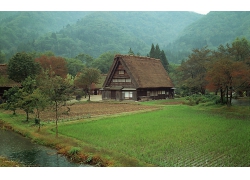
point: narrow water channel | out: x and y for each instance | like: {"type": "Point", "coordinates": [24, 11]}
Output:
{"type": "Point", "coordinates": [20, 149]}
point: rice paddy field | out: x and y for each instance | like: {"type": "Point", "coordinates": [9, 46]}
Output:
{"type": "Point", "coordinates": [174, 136]}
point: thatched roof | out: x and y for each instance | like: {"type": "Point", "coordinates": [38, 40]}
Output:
{"type": "Point", "coordinates": [146, 72]}
{"type": "Point", "coordinates": [4, 80]}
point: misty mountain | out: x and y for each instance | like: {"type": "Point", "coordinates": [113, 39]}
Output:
{"type": "Point", "coordinates": [212, 30]}
{"type": "Point", "coordinates": [70, 33]}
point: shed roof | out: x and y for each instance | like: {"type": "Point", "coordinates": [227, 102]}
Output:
{"type": "Point", "coordinates": [146, 72]}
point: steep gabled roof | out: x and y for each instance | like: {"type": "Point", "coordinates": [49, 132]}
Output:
{"type": "Point", "coordinates": [4, 80]}
{"type": "Point", "coordinates": [146, 72]}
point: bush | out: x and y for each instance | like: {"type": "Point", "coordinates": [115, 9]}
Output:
{"type": "Point", "coordinates": [74, 150]}
{"type": "Point", "coordinates": [196, 99]}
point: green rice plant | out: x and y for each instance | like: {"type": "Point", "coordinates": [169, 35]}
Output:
{"type": "Point", "coordinates": [169, 137]}
{"type": "Point", "coordinates": [74, 150]}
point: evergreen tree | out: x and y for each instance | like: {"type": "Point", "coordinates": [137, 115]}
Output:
{"type": "Point", "coordinates": [164, 60]}
{"type": "Point", "coordinates": [157, 53]}
{"type": "Point", "coordinates": [130, 52]}
{"type": "Point", "coordinates": [152, 51]}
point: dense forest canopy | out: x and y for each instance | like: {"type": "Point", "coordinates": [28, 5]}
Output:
{"type": "Point", "coordinates": [69, 34]}
{"type": "Point", "coordinates": [212, 30]}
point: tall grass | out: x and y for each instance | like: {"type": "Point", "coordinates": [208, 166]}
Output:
{"type": "Point", "coordinates": [175, 136]}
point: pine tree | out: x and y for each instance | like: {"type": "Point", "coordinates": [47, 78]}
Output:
{"type": "Point", "coordinates": [164, 60]}
{"type": "Point", "coordinates": [152, 51]}
{"type": "Point", "coordinates": [131, 52]}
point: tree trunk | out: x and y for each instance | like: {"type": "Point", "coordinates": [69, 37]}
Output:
{"type": "Point", "coordinates": [27, 116]}
{"type": "Point", "coordinates": [56, 119]}
{"type": "Point", "coordinates": [227, 96]}
{"type": "Point", "coordinates": [89, 93]}
{"type": "Point", "coordinates": [221, 96]}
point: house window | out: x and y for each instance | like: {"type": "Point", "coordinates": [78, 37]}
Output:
{"type": "Point", "coordinates": [121, 71]}
{"type": "Point", "coordinates": [153, 93]}
{"type": "Point", "coordinates": [128, 80]}
{"type": "Point", "coordinates": [121, 80]}
{"type": "Point", "coordinates": [128, 95]}
{"type": "Point", "coordinates": [162, 92]}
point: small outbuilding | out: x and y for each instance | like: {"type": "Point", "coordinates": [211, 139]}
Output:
{"type": "Point", "coordinates": [137, 78]}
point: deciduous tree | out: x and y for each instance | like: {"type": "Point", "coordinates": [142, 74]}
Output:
{"type": "Point", "coordinates": [55, 65]}
{"type": "Point", "coordinates": [57, 89]}
{"type": "Point", "coordinates": [22, 65]}
{"type": "Point", "coordinates": [88, 77]}
{"type": "Point", "coordinates": [193, 71]}
{"type": "Point", "coordinates": [12, 97]}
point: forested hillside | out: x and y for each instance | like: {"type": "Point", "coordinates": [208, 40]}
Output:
{"type": "Point", "coordinates": [212, 30]}
{"type": "Point", "coordinates": [18, 28]}
{"type": "Point", "coordinates": [71, 33]}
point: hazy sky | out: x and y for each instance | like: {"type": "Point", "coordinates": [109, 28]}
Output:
{"type": "Point", "coordinates": [200, 6]}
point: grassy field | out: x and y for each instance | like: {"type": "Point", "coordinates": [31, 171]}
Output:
{"type": "Point", "coordinates": [174, 135]}
{"type": "Point", "coordinates": [177, 135]}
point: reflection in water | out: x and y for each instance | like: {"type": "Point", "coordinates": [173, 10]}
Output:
{"type": "Point", "coordinates": [18, 148]}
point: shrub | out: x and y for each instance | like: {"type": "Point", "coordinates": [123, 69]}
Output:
{"type": "Point", "coordinates": [74, 150]}
{"type": "Point", "coordinates": [196, 99]}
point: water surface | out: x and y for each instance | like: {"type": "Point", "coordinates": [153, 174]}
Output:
{"type": "Point", "coordinates": [18, 148]}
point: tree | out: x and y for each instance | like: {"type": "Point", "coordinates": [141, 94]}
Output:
{"type": "Point", "coordinates": [12, 96]}
{"type": "Point", "coordinates": [152, 51]}
{"type": "Point", "coordinates": [26, 101]}
{"type": "Point", "coordinates": [240, 49]}
{"type": "Point", "coordinates": [164, 60]}
{"type": "Point", "coordinates": [104, 61]}
{"type": "Point", "coordinates": [57, 89]}
{"type": "Point", "coordinates": [74, 66]}
{"type": "Point", "coordinates": [130, 52]}
{"type": "Point", "coordinates": [86, 59]}
{"type": "Point", "coordinates": [157, 53]}
{"type": "Point", "coordinates": [22, 65]}
{"type": "Point", "coordinates": [41, 101]}
{"type": "Point", "coordinates": [88, 77]}
{"type": "Point", "coordinates": [226, 76]}
{"type": "Point", "coordinates": [193, 71]}
{"type": "Point", "coordinates": [55, 65]}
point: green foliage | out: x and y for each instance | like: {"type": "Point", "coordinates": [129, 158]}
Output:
{"type": "Point", "coordinates": [86, 59]}
{"type": "Point", "coordinates": [12, 96]}
{"type": "Point", "coordinates": [181, 136]}
{"type": "Point", "coordinates": [196, 99]}
{"type": "Point", "coordinates": [104, 61]}
{"type": "Point", "coordinates": [191, 73]}
{"type": "Point", "coordinates": [214, 29]}
{"type": "Point", "coordinates": [74, 66]}
{"type": "Point", "coordinates": [68, 34]}
{"type": "Point", "coordinates": [88, 77]}
{"type": "Point", "coordinates": [155, 52]}
{"type": "Point", "coordinates": [22, 65]}
{"type": "Point", "coordinates": [26, 100]}
{"type": "Point", "coordinates": [74, 150]}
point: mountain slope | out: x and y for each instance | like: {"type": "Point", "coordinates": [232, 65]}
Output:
{"type": "Point", "coordinates": [214, 29]}
{"type": "Point", "coordinates": [94, 33]}
{"type": "Point", "coordinates": [99, 32]}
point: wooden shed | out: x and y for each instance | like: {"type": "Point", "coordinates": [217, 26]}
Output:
{"type": "Point", "coordinates": [137, 78]}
